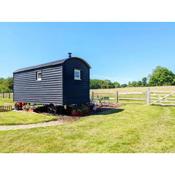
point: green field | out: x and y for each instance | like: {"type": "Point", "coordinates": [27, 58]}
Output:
{"type": "Point", "coordinates": [135, 94]}
{"type": "Point", "coordinates": [135, 89]}
{"type": "Point", "coordinates": [131, 129]}
{"type": "Point", "coordinates": [17, 118]}
{"type": "Point", "coordinates": [6, 101]}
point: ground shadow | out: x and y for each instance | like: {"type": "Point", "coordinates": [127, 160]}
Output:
{"type": "Point", "coordinates": [5, 111]}
{"type": "Point", "coordinates": [165, 106]}
{"type": "Point", "coordinates": [107, 111]}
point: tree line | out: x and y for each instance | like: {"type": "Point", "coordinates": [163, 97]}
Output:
{"type": "Point", "coordinates": [6, 84]}
{"type": "Point", "coordinates": [161, 76]}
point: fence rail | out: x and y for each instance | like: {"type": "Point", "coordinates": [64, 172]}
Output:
{"type": "Point", "coordinates": [148, 97]}
{"type": "Point", "coordinates": [116, 97]}
{"type": "Point", "coordinates": [6, 95]}
{"type": "Point", "coordinates": [5, 108]}
{"type": "Point", "coordinates": [163, 98]}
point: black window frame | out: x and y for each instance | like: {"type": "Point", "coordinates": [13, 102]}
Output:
{"type": "Point", "coordinates": [37, 75]}
{"type": "Point", "coordinates": [79, 71]}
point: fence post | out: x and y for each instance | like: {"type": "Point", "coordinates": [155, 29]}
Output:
{"type": "Point", "coordinates": [3, 95]}
{"type": "Point", "coordinates": [92, 97]}
{"type": "Point", "coordinates": [117, 96]}
{"type": "Point", "coordinates": [148, 99]}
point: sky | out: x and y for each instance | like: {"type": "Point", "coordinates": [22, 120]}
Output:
{"type": "Point", "coordinates": [117, 51]}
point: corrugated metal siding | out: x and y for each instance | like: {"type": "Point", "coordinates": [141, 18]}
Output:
{"type": "Point", "coordinates": [76, 91]}
{"type": "Point", "coordinates": [49, 90]}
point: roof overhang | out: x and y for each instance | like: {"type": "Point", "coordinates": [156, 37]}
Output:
{"type": "Point", "coordinates": [50, 64]}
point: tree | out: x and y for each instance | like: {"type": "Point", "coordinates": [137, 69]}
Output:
{"type": "Point", "coordinates": [139, 84]}
{"type": "Point", "coordinates": [101, 84]}
{"type": "Point", "coordinates": [10, 83]}
{"type": "Point", "coordinates": [144, 81]}
{"type": "Point", "coordinates": [133, 84]}
{"type": "Point", "coordinates": [161, 76]}
{"type": "Point", "coordinates": [116, 84]}
{"type": "Point", "coordinates": [95, 84]}
{"type": "Point", "coordinates": [130, 84]}
{"type": "Point", "coordinates": [173, 82]}
{"type": "Point", "coordinates": [6, 85]}
{"type": "Point", "coordinates": [123, 85]}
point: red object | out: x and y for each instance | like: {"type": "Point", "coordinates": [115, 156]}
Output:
{"type": "Point", "coordinates": [30, 110]}
{"type": "Point", "coordinates": [19, 105]}
{"type": "Point", "coordinates": [75, 113]}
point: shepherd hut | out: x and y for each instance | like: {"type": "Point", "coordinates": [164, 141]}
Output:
{"type": "Point", "coordinates": [62, 82]}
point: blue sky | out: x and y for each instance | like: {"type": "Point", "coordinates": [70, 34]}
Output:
{"type": "Point", "coordinates": [116, 51]}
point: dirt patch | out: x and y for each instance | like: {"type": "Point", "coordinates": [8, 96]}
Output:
{"type": "Point", "coordinates": [68, 119]}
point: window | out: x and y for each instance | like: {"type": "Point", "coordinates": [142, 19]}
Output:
{"type": "Point", "coordinates": [77, 74]}
{"type": "Point", "coordinates": [39, 76]}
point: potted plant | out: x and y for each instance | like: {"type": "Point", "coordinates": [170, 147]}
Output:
{"type": "Point", "coordinates": [26, 107]}
{"type": "Point", "coordinates": [75, 113]}
{"type": "Point", "coordinates": [31, 109]}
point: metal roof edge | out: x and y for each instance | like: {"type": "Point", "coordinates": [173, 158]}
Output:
{"type": "Point", "coordinates": [53, 63]}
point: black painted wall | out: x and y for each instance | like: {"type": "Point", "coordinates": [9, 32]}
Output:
{"type": "Point", "coordinates": [75, 91]}
{"type": "Point", "coordinates": [49, 90]}
{"type": "Point", "coordinates": [57, 86]}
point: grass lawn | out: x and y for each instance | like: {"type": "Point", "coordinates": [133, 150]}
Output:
{"type": "Point", "coordinates": [135, 89]}
{"type": "Point", "coordinates": [135, 129]}
{"type": "Point", "coordinates": [4, 101]}
{"type": "Point", "coordinates": [16, 118]}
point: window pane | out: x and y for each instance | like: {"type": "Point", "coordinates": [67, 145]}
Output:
{"type": "Point", "coordinates": [39, 76]}
{"type": "Point", "coordinates": [77, 74]}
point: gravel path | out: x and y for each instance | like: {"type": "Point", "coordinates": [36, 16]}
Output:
{"type": "Point", "coordinates": [37, 125]}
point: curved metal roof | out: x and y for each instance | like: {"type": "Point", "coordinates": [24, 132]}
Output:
{"type": "Point", "coordinates": [53, 63]}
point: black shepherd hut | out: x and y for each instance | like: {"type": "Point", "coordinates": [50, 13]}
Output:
{"type": "Point", "coordinates": [62, 82]}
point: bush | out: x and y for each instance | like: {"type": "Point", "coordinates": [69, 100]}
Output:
{"type": "Point", "coordinates": [26, 107]}
{"type": "Point", "coordinates": [79, 110]}
{"type": "Point", "coordinates": [162, 76]}
{"type": "Point", "coordinates": [73, 110]}
{"type": "Point", "coordinates": [20, 105]}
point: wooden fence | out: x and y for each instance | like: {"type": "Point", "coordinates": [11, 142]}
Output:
{"type": "Point", "coordinates": [5, 108]}
{"type": "Point", "coordinates": [164, 98]}
{"type": "Point", "coordinates": [6, 95]}
{"type": "Point", "coordinates": [119, 97]}
{"type": "Point", "coordinates": [149, 97]}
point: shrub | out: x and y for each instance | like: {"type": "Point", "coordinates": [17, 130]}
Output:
{"type": "Point", "coordinates": [26, 107]}
{"type": "Point", "coordinates": [79, 110]}
{"type": "Point", "coordinates": [19, 105]}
